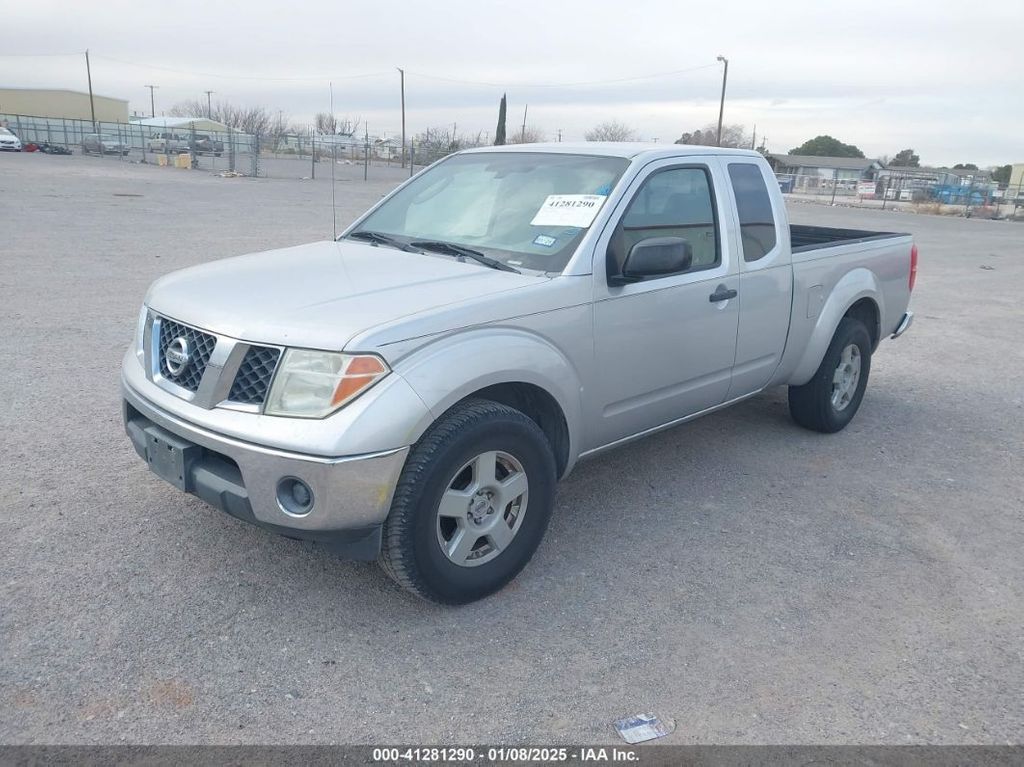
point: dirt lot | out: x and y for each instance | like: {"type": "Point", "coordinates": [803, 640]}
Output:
{"type": "Point", "coordinates": [756, 582]}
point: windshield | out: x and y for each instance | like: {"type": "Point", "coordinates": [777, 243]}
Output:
{"type": "Point", "coordinates": [5, 132]}
{"type": "Point", "coordinates": [525, 209]}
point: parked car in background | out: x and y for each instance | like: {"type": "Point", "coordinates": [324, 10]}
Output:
{"type": "Point", "coordinates": [103, 143]}
{"type": "Point", "coordinates": [205, 144]}
{"type": "Point", "coordinates": [413, 391]}
{"type": "Point", "coordinates": [8, 141]}
{"type": "Point", "coordinates": [171, 143]}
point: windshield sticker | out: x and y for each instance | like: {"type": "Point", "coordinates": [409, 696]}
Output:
{"type": "Point", "coordinates": [544, 241]}
{"type": "Point", "coordinates": [569, 210]}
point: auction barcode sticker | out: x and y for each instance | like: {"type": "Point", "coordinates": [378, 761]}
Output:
{"type": "Point", "coordinates": [569, 210]}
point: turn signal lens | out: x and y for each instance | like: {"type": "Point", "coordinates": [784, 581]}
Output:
{"type": "Point", "coordinates": [913, 266]}
{"type": "Point", "coordinates": [313, 384]}
{"type": "Point", "coordinates": [360, 373]}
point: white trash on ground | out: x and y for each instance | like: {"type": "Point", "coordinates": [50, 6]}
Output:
{"type": "Point", "coordinates": [641, 727]}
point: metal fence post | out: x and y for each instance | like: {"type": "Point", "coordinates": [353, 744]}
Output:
{"type": "Point", "coordinates": [256, 155]}
{"type": "Point", "coordinates": [412, 156]}
{"type": "Point", "coordinates": [231, 150]}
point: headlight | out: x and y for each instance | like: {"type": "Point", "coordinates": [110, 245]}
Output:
{"type": "Point", "coordinates": [312, 384]}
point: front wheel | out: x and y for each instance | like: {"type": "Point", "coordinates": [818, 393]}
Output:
{"type": "Point", "coordinates": [829, 401]}
{"type": "Point", "coordinates": [471, 505]}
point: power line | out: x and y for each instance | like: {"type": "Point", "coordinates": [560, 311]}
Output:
{"type": "Point", "coordinates": [365, 75]}
{"type": "Point", "coordinates": [564, 84]}
{"type": "Point", "coordinates": [37, 55]}
{"type": "Point", "coordinates": [322, 78]}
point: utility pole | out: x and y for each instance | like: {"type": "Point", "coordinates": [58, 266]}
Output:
{"type": "Point", "coordinates": [401, 74]}
{"type": "Point", "coordinates": [152, 100]}
{"type": "Point", "coordinates": [522, 137]}
{"type": "Point", "coordinates": [88, 72]}
{"type": "Point", "coordinates": [753, 140]}
{"type": "Point", "coordinates": [721, 105]}
{"type": "Point", "coordinates": [209, 107]}
{"type": "Point", "coordinates": [334, 164]}
{"type": "Point", "coordinates": [559, 135]}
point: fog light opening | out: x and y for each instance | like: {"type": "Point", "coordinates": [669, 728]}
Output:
{"type": "Point", "coordinates": [294, 497]}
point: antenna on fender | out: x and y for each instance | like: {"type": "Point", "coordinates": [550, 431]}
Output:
{"type": "Point", "coordinates": [334, 162]}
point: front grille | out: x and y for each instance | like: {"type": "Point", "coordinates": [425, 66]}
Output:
{"type": "Point", "coordinates": [200, 347]}
{"type": "Point", "coordinates": [254, 374]}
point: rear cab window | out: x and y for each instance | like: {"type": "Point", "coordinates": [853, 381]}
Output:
{"type": "Point", "coordinates": [754, 207]}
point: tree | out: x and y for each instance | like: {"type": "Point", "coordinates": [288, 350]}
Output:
{"type": "Point", "coordinates": [732, 136]}
{"type": "Point", "coordinates": [499, 132]}
{"type": "Point", "coordinates": [1001, 175]}
{"type": "Point", "coordinates": [326, 123]}
{"type": "Point", "coordinates": [251, 120]}
{"type": "Point", "coordinates": [435, 143]}
{"type": "Point", "coordinates": [826, 146]}
{"type": "Point", "coordinates": [905, 158]}
{"type": "Point", "coordinates": [329, 125]}
{"type": "Point", "coordinates": [965, 166]}
{"type": "Point", "coordinates": [531, 135]}
{"type": "Point", "coordinates": [612, 130]}
{"type": "Point", "coordinates": [278, 128]}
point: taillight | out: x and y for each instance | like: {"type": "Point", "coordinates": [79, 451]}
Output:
{"type": "Point", "coordinates": [913, 266]}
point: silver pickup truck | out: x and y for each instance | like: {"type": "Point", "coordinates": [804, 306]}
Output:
{"type": "Point", "coordinates": [413, 391]}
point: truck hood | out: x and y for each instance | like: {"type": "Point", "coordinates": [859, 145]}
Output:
{"type": "Point", "coordinates": [322, 294]}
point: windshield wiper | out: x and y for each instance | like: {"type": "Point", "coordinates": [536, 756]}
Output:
{"type": "Point", "coordinates": [463, 252]}
{"type": "Point", "coordinates": [377, 238]}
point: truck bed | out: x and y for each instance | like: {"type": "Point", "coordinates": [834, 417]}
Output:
{"type": "Point", "coordinates": [804, 238]}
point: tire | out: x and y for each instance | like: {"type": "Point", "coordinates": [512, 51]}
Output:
{"type": "Point", "coordinates": [830, 400]}
{"type": "Point", "coordinates": [452, 460]}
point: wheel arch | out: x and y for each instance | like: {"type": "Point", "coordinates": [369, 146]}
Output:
{"type": "Point", "coordinates": [510, 366]}
{"type": "Point", "coordinates": [858, 295]}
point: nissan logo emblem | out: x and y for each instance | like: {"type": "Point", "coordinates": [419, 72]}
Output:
{"type": "Point", "coordinates": [177, 356]}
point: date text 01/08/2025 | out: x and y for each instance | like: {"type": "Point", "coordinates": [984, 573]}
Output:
{"type": "Point", "coordinates": [526, 754]}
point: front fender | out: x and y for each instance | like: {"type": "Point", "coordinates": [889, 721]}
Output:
{"type": "Point", "coordinates": [854, 285]}
{"type": "Point", "coordinates": [453, 367]}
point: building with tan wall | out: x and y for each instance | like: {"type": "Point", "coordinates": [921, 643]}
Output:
{"type": "Point", "coordinates": [60, 103]}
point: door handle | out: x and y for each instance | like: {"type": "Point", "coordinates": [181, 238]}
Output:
{"type": "Point", "coordinates": [722, 293]}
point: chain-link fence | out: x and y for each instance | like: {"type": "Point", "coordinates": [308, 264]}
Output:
{"type": "Point", "coordinates": [920, 190]}
{"type": "Point", "coordinates": [190, 144]}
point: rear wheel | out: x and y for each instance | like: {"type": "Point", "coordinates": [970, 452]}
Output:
{"type": "Point", "coordinates": [472, 504]}
{"type": "Point", "coordinates": [830, 400]}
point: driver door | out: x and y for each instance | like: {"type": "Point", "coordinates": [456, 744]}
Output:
{"type": "Point", "coordinates": [665, 345]}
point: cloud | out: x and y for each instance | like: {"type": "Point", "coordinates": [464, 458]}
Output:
{"type": "Point", "coordinates": [878, 74]}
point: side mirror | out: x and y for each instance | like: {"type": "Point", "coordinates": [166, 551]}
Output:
{"type": "Point", "coordinates": [653, 257]}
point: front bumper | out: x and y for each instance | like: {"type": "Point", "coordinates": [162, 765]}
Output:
{"type": "Point", "coordinates": [351, 494]}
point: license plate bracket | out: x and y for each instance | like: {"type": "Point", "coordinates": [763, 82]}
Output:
{"type": "Point", "coordinates": [170, 457]}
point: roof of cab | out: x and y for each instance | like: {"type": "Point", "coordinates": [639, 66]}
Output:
{"type": "Point", "coordinates": [626, 149]}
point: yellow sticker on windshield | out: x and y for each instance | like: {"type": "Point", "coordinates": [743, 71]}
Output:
{"type": "Point", "coordinates": [569, 210]}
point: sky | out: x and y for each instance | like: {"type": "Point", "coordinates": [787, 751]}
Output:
{"type": "Point", "coordinates": [940, 77]}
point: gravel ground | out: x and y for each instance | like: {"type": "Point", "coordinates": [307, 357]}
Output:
{"type": "Point", "coordinates": [756, 582]}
